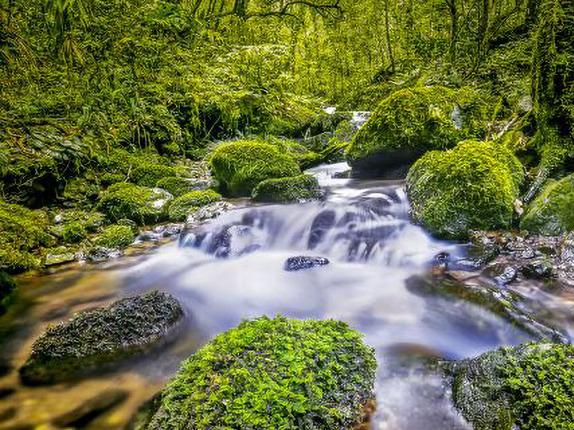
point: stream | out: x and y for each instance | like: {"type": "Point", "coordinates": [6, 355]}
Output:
{"type": "Point", "coordinates": [232, 268]}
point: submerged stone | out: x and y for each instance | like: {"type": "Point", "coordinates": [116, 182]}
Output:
{"type": "Point", "coordinates": [270, 374]}
{"type": "Point", "coordinates": [293, 264]}
{"type": "Point", "coordinates": [90, 339]}
{"type": "Point", "coordinates": [91, 409]}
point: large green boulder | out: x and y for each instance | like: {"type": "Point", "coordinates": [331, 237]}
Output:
{"type": "Point", "coordinates": [189, 202]}
{"type": "Point", "coordinates": [270, 374]}
{"type": "Point", "coordinates": [552, 212]}
{"type": "Point", "coordinates": [101, 336]}
{"type": "Point", "coordinates": [413, 121]}
{"type": "Point", "coordinates": [528, 387]}
{"type": "Point", "coordinates": [139, 204]}
{"type": "Point", "coordinates": [471, 187]}
{"type": "Point", "coordinates": [241, 165]}
{"type": "Point", "coordinates": [284, 190]}
{"type": "Point", "coordinates": [22, 233]}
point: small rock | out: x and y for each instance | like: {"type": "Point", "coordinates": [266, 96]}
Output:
{"type": "Point", "coordinates": [537, 270]}
{"type": "Point", "coordinates": [300, 263]}
{"type": "Point", "coordinates": [100, 253]}
{"type": "Point", "coordinates": [91, 408]}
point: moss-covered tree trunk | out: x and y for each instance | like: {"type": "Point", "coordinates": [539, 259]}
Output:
{"type": "Point", "coordinates": [553, 87]}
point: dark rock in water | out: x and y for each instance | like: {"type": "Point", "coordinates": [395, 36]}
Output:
{"type": "Point", "coordinates": [320, 227]}
{"type": "Point", "coordinates": [102, 336]}
{"type": "Point", "coordinates": [8, 289]}
{"type": "Point", "coordinates": [526, 387]}
{"type": "Point", "coordinates": [91, 409]}
{"type": "Point", "coordinates": [8, 414]}
{"type": "Point", "coordinates": [300, 263]}
{"type": "Point", "coordinates": [270, 374]}
{"type": "Point", "coordinates": [501, 274]}
{"type": "Point", "coordinates": [541, 269]}
{"type": "Point", "coordinates": [100, 253]}
{"type": "Point", "coordinates": [5, 392]}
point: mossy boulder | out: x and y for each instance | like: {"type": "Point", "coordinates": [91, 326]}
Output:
{"type": "Point", "coordinates": [270, 374]}
{"type": "Point", "coordinates": [413, 121]}
{"type": "Point", "coordinates": [552, 212]}
{"type": "Point", "coordinates": [528, 387]}
{"type": "Point", "coordinates": [8, 289]}
{"type": "Point", "coordinates": [91, 221]}
{"type": "Point", "coordinates": [471, 187]}
{"type": "Point", "coordinates": [147, 175]}
{"type": "Point", "coordinates": [102, 336]}
{"type": "Point", "coordinates": [74, 232]}
{"type": "Point", "coordinates": [139, 204]}
{"type": "Point", "coordinates": [241, 165]}
{"type": "Point", "coordinates": [22, 233]}
{"type": "Point", "coordinates": [283, 190]}
{"type": "Point", "coordinates": [116, 236]}
{"type": "Point", "coordinates": [183, 205]}
{"type": "Point", "coordinates": [177, 186]}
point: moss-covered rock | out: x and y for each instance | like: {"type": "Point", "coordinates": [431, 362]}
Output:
{"type": "Point", "coordinates": [282, 190]}
{"type": "Point", "coordinates": [8, 289]}
{"type": "Point", "coordinates": [22, 233]}
{"type": "Point", "coordinates": [413, 121]}
{"type": "Point", "coordinates": [270, 374]}
{"type": "Point", "coordinates": [74, 232]}
{"type": "Point", "coordinates": [147, 175]}
{"type": "Point", "coordinates": [471, 187]}
{"type": "Point", "coordinates": [139, 204]}
{"type": "Point", "coordinates": [91, 221]}
{"type": "Point", "coordinates": [528, 387]}
{"type": "Point", "coordinates": [241, 165]}
{"type": "Point", "coordinates": [116, 236]}
{"type": "Point", "coordinates": [101, 336]}
{"type": "Point", "coordinates": [552, 212]}
{"type": "Point", "coordinates": [183, 205]}
{"type": "Point", "coordinates": [180, 186]}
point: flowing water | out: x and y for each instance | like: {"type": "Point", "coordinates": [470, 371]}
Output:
{"type": "Point", "coordinates": [233, 268]}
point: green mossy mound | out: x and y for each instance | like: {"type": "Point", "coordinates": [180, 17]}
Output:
{"type": "Point", "coordinates": [471, 187]}
{"type": "Point", "coordinates": [413, 121]}
{"type": "Point", "coordinates": [283, 190]}
{"type": "Point", "coordinates": [529, 387]}
{"type": "Point", "coordinates": [22, 232]}
{"type": "Point", "coordinates": [552, 212]}
{"type": "Point", "coordinates": [116, 236]}
{"type": "Point", "coordinates": [270, 374]}
{"type": "Point", "coordinates": [91, 221]}
{"type": "Point", "coordinates": [183, 205]}
{"type": "Point", "coordinates": [8, 289]}
{"type": "Point", "coordinates": [74, 232]}
{"type": "Point", "coordinates": [241, 165]}
{"type": "Point", "coordinates": [147, 175]}
{"type": "Point", "coordinates": [139, 204]}
{"type": "Point", "coordinates": [177, 186]}
{"type": "Point", "coordinates": [101, 336]}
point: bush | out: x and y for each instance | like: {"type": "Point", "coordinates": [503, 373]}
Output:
{"type": "Point", "coordinates": [552, 212]}
{"type": "Point", "coordinates": [139, 204]}
{"type": "Point", "coordinates": [271, 374]}
{"type": "Point", "coordinates": [116, 236]}
{"type": "Point", "coordinates": [180, 207]}
{"type": "Point", "coordinates": [471, 187]}
{"type": "Point", "coordinates": [415, 120]}
{"type": "Point", "coordinates": [298, 188]}
{"type": "Point", "coordinates": [241, 165]}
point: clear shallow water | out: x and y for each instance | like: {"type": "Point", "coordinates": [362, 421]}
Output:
{"type": "Point", "coordinates": [232, 268]}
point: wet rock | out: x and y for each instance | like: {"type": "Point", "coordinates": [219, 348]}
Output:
{"type": "Point", "coordinates": [300, 263]}
{"type": "Point", "coordinates": [5, 392]}
{"type": "Point", "coordinates": [528, 386]}
{"type": "Point", "coordinates": [101, 253]}
{"type": "Point", "coordinates": [501, 274]}
{"type": "Point", "coordinates": [102, 336]}
{"type": "Point", "coordinates": [8, 291]}
{"type": "Point", "coordinates": [91, 408]}
{"type": "Point", "coordinates": [320, 227]}
{"type": "Point", "coordinates": [8, 414]}
{"type": "Point", "coordinates": [253, 371]}
{"type": "Point", "coordinates": [208, 212]}
{"type": "Point", "coordinates": [541, 269]}
{"type": "Point", "coordinates": [61, 255]}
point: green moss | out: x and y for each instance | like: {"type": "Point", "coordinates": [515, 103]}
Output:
{"type": "Point", "coordinates": [147, 175]}
{"type": "Point", "coordinates": [527, 387]}
{"type": "Point", "coordinates": [22, 233]}
{"type": "Point", "coordinates": [176, 186]}
{"type": "Point", "coordinates": [139, 204]}
{"type": "Point", "coordinates": [552, 212]}
{"type": "Point", "coordinates": [116, 236]}
{"type": "Point", "coordinates": [271, 374]}
{"type": "Point", "coordinates": [417, 120]}
{"type": "Point", "coordinates": [181, 207]}
{"type": "Point", "coordinates": [91, 221]}
{"type": "Point", "coordinates": [298, 188]}
{"type": "Point", "coordinates": [127, 327]}
{"type": "Point", "coordinates": [241, 165]}
{"type": "Point", "coordinates": [107, 179]}
{"type": "Point", "coordinates": [471, 187]}
{"type": "Point", "coordinates": [8, 290]}
{"type": "Point", "coordinates": [74, 232]}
